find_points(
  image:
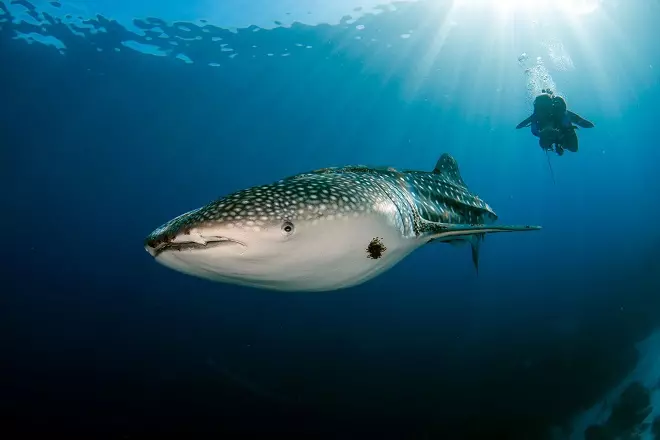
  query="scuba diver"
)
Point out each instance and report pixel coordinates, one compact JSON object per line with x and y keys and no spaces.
{"x":552,"y":123}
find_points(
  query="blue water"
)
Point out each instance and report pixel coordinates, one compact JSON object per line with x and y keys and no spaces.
{"x":118,"y":118}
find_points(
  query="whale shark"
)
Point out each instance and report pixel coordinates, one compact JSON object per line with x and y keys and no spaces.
{"x":326,"y":229}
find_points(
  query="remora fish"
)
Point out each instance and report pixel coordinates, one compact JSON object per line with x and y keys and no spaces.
{"x":327,"y":229}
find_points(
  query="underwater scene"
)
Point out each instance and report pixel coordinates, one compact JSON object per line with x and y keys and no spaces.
{"x":330,"y":219}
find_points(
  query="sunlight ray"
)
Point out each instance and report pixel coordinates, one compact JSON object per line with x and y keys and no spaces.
{"x":435,"y":45}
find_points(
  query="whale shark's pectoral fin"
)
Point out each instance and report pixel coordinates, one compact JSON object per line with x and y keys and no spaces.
{"x":473,"y":234}
{"x":450,"y":231}
{"x":475,"y":244}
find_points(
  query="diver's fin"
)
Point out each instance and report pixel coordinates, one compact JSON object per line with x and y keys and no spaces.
{"x":526,"y":123}
{"x":579,"y":120}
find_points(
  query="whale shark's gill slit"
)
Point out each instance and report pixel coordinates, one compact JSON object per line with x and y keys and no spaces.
{"x":390,"y":192}
{"x":401,"y":196}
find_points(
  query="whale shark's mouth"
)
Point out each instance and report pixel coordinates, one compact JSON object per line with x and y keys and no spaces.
{"x":207,"y":243}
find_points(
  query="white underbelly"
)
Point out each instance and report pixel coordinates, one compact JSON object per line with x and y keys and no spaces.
{"x":324,"y":256}
{"x":346,"y":259}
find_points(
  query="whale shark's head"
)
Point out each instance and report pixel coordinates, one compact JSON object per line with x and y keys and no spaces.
{"x":313,"y":232}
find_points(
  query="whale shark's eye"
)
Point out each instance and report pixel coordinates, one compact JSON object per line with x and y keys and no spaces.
{"x":287,"y":228}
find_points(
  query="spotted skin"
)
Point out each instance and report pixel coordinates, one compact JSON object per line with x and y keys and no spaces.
{"x":282,"y":235}
{"x":310,"y":197}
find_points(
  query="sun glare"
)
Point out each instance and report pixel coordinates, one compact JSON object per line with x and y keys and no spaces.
{"x":533,"y":7}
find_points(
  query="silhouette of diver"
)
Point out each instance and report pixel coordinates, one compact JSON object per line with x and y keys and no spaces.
{"x":552,"y":123}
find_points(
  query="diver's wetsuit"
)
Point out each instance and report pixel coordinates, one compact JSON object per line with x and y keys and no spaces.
{"x":552,"y":123}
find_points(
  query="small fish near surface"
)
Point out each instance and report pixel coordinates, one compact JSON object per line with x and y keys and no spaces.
{"x":327,"y":229}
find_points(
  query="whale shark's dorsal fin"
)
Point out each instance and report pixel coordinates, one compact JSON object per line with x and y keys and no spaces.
{"x":448,"y":166}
